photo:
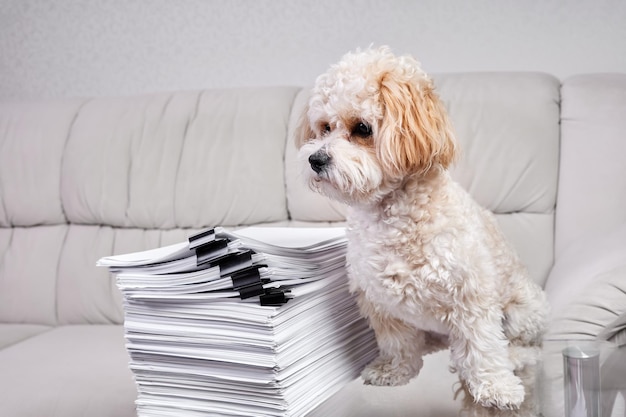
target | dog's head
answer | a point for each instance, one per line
(372, 120)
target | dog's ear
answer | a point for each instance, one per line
(415, 131)
(303, 131)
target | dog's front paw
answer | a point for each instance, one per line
(504, 391)
(389, 372)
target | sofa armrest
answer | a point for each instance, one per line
(587, 288)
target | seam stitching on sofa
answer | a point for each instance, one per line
(2, 199)
(65, 144)
(190, 120)
(287, 140)
(56, 275)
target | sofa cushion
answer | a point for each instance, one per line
(507, 126)
(70, 371)
(32, 139)
(532, 235)
(592, 183)
(29, 260)
(187, 159)
(151, 161)
(587, 287)
(11, 333)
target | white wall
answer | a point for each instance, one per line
(109, 47)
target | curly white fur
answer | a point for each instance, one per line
(429, 267)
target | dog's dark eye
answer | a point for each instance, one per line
(362, 130)
(326, 128)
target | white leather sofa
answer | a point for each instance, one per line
(87, 177)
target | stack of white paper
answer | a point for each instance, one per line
(254, 323)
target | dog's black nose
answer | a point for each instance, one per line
(319, 160)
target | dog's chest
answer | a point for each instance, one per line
(400, 275)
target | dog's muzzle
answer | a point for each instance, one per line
(319, 160)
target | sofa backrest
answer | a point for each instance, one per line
(85, 178)
(507, 125)
(592, 185)
(81, 179)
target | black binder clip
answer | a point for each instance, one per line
(273, 297)
(245, 278)
(201, 238)
(251, 291)
(211, 250)
(248, 282)
(231, 262)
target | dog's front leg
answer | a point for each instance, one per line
(400, 346)
(480, 354)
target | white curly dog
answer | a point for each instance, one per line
(429, 267)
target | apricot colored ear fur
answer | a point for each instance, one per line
(415, 132)
(303, 130)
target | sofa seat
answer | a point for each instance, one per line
(73, 370)
(12, 333)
